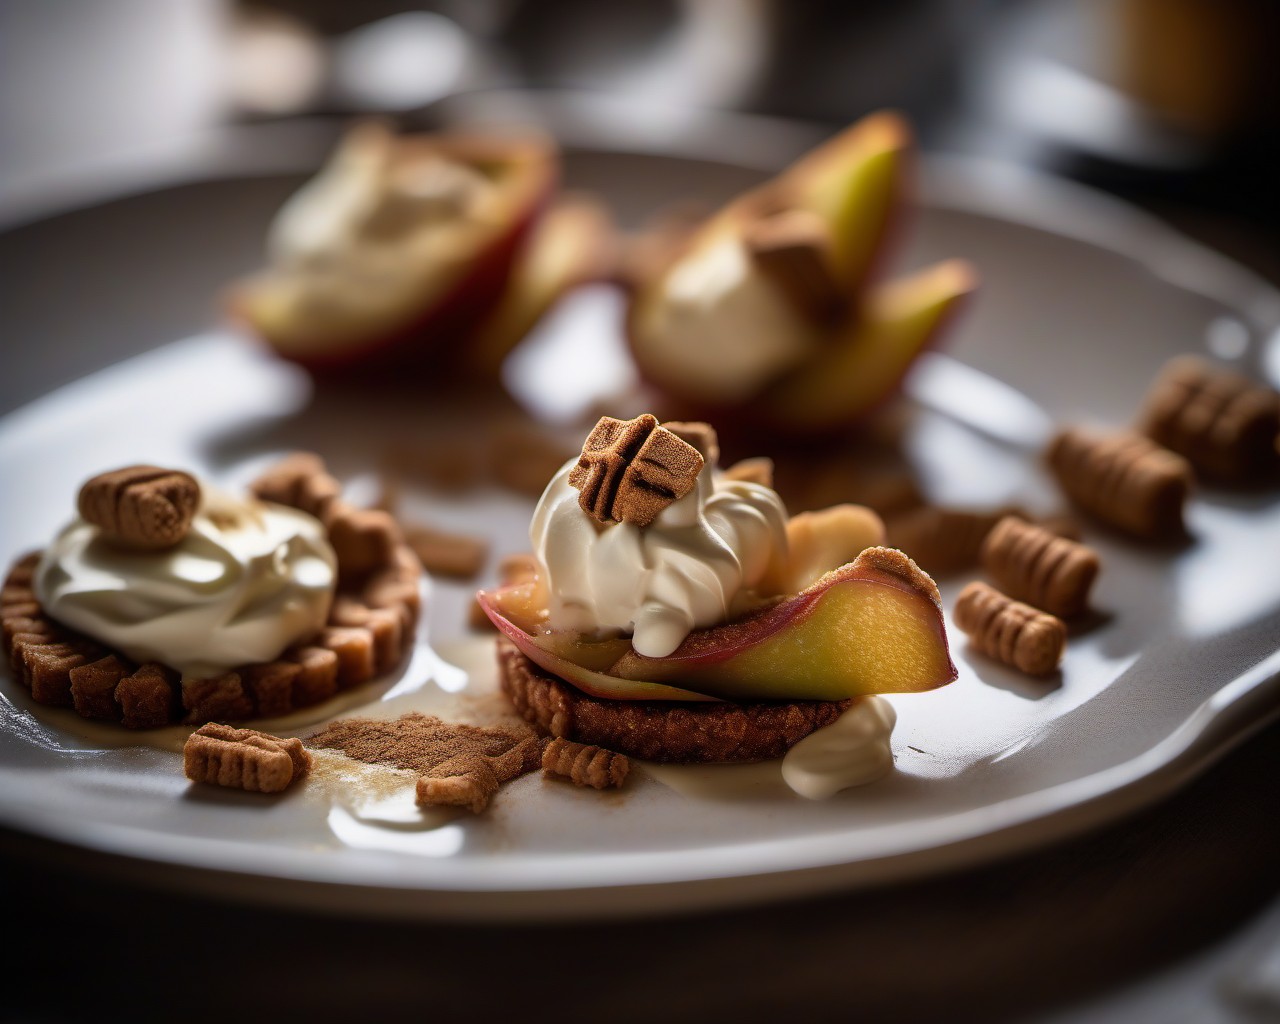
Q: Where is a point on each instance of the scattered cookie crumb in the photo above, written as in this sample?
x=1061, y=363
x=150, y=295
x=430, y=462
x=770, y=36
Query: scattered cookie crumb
x=243, y=759
x=584, y=764
x=1125, y=480
x=1033, y=565
x=441, y=553
x=452, y=465
x=524, y=459
x=1010, y=631
x=1226, y=425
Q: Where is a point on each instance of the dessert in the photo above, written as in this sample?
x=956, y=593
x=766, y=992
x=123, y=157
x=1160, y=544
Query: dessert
x=1124, y=480
x=1034, y=565
x=771, y=311
x=407, y=248
x=674, y=614
x=169, y=600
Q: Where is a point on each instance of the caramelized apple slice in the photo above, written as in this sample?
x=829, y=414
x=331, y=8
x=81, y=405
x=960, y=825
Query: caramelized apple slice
x=548, y=651
x=873, y=626
x=397, y=310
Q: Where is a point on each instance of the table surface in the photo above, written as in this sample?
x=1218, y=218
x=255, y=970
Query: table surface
x=1168, y=916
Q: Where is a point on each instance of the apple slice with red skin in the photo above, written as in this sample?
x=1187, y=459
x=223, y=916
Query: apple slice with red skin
x=872, y=626
x=854, y=183
x=542, y=651
x=568, y=247
x=414, y=332
x=898, y=321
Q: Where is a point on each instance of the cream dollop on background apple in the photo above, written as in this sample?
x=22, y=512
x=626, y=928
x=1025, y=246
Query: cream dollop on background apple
x=711, y=330
x=248, y=580
x=726, y=325
x=694, y=566
x=372, y=232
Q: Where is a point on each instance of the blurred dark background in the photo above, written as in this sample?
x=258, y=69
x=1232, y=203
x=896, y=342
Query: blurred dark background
x=1170, y=102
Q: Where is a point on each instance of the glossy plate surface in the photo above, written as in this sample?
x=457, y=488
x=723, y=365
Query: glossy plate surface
x=1083, y=300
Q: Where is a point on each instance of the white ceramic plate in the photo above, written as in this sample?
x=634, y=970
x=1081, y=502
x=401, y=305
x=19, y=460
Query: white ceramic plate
x=1082, y=302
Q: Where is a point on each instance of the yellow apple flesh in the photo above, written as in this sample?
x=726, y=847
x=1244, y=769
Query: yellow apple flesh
x=872, y=626
x=857, y=185
x=898, y=321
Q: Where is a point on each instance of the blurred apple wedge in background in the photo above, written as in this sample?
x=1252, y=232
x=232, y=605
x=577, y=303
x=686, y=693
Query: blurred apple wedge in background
x=399, y=249
x=872, y=626
x=856, y=183
x=770, y=312
x=869, y=357
x=569, y=246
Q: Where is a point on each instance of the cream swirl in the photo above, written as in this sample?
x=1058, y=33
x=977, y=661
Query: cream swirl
x=694, y=566
x=725, y=326
x=249, y=579
x=851, y=751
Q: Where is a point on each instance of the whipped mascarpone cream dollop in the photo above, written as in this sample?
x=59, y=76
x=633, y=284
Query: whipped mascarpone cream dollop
x=372, y=232
x=723, y=325
x=694, y=566
x=365, y=196
x=248, y=580
x=851, y=751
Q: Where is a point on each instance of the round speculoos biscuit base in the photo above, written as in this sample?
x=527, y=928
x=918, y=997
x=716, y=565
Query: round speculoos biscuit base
x=665, y=731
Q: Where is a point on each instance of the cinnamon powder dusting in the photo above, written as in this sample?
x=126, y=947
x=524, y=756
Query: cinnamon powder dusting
x=457, y=764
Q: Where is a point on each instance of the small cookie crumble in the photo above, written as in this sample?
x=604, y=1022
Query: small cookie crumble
x=1226, y=425
x=943, y=540
x=1045, y=570
x=630, y=470
x=1125, y=480
x=247, y=759
x=442, y=553
x=585, y=764
x=524, y=458
x=794, y=250
x=142, y=507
